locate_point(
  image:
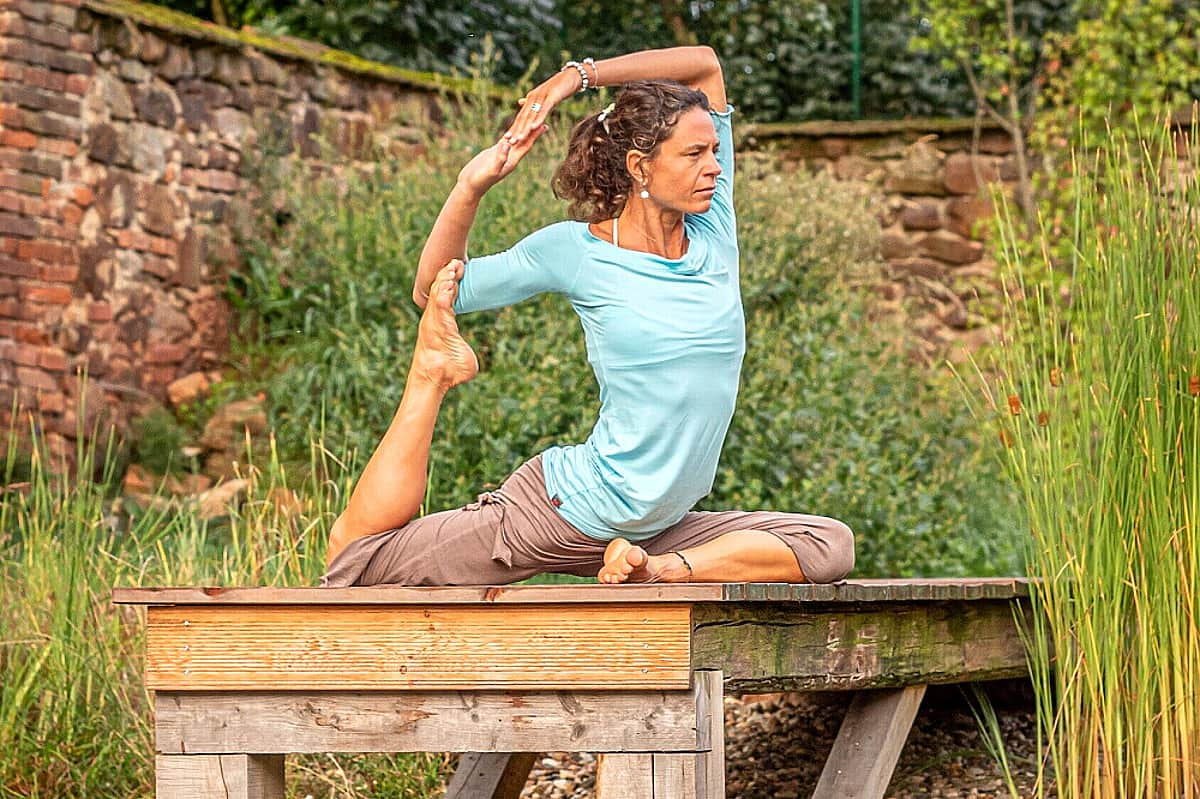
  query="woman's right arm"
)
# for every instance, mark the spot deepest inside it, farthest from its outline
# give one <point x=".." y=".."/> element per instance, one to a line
<point x="448" y="238"/>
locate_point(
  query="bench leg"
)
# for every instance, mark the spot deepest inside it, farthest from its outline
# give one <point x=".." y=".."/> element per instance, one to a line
<point x="218" y="776"/>
<point x="687" y="775"/>
<point x="490" y="775"/>
<point x="868" y="744"/>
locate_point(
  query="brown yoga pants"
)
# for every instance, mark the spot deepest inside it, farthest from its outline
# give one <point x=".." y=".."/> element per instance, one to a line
<point x="514" y="532"/>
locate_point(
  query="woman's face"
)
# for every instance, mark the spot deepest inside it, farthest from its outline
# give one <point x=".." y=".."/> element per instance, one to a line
<point x="683" y="175"/>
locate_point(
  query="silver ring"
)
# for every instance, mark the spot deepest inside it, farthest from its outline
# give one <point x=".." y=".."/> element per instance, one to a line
<point x="535" y="107"/>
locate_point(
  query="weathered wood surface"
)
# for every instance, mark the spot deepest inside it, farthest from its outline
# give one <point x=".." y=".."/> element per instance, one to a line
<point x="490" y="775"/>
<point x="868" y="744"/>
<point x="850" y="647"/>
<point x="710" y="766"/>
<point x="848" y="591"/>
<point x="625" y="776"/>
<point x="431" y="721"/>
<point x="218" y="776"/>
<point x="316" y="647"/>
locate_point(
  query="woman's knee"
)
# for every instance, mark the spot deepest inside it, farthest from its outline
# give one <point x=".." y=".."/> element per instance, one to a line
<point x="836" y="558"/>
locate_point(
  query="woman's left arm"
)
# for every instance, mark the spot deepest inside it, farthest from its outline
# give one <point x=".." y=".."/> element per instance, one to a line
<point x="697" y="67"/>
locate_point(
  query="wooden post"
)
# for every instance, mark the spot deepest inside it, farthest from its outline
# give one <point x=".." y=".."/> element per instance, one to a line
<point x="218" y="776"/>
<point x="490" y="775"/>
<point x="690" y="775"/>
<point x="868" y="744"/>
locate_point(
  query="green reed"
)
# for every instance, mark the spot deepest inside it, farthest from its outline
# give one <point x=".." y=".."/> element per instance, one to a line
<point x="1096" y="401"/>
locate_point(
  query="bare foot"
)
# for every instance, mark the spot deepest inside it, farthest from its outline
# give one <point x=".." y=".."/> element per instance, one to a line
<point x="442" y="356"/>
<point x="628" y="563"/>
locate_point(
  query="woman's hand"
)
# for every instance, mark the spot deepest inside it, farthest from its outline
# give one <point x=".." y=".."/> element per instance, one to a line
<point x="495" y="163"/>
<point x="539" y="102"/>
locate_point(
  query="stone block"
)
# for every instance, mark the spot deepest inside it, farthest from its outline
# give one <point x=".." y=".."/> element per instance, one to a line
<point x="108" y="92"/>
<point x="923" y="267"/>
<point x="995" y="142"/>
<point x="134" y="71"/>
<point x="188" y="389"/>
<point x="156" y="105"/>
<point x="160" y="211"/>
<point x="961" y="169"/>
<point x="921" y="215"/>
<point x="232" y="125"/>
<point x="231" y="421"/>
<point x="36" y="379"/>
<point x="106" y="144"/>
<point x="176" y="64"/>
<point x="948" y="247"/>
<point x="968" y="216"/>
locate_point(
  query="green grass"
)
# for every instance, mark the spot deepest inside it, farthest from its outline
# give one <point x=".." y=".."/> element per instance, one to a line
<point x="1097" y="401"/>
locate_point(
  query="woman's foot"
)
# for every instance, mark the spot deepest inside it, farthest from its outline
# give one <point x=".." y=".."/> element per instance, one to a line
<point x="628" y="563"/>
<point x="442" y="356"/>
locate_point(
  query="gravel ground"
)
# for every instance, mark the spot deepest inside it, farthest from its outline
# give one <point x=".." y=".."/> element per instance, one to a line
<point x="775" y="745"/>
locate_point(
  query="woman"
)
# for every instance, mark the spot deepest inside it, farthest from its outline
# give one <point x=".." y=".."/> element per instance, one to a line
<point x="650" y="264"/>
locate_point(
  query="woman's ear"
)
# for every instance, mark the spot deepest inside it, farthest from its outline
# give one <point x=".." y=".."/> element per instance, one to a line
<point x="636" y="162"/>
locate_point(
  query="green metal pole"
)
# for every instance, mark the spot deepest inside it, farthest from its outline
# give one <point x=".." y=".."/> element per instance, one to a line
<point x="856" y="74"/>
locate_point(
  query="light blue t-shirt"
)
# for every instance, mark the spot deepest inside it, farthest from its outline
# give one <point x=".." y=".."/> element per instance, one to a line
<point x="665" y="338"/>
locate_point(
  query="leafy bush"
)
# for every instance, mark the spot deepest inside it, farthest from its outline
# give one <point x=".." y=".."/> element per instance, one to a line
<point x="832" y="419"/>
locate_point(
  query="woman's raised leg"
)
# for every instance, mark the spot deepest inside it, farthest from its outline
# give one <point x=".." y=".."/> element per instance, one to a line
<point x="390" y="490"/>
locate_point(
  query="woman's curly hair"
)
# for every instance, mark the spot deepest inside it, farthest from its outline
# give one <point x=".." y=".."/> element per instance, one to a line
<point x="593" y="177"/>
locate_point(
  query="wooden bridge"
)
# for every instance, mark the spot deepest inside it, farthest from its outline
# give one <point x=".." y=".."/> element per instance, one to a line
<point x="244" y="675"/>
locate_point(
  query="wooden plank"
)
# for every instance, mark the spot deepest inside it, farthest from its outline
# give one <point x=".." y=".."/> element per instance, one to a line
<point x="872" y="645"/>
<point x="218" y="776"/>
<point x="625" y="776"/>
<point x="710" y="713"/>
<point x="674" y="776"/>
<point x="490" y="775"/>
<point x="306" y="647"/>
<point x="856" y="591"/>
<point x="417" y="721"/>
<point x="868" y="744"/>
<point x="591" y="593"/>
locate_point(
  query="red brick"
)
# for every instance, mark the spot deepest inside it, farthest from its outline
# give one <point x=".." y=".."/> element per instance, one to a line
<point x="7" y="329"/>
<point x="44" y="79"/>
<point x="11" y="202"/>
<point x="13" y="225"/>
<point x="27" y="184"/>
<point x="38" y="10"/>
<point x="50" y="295"/>
<point x="81" y="43"/>
<point x="49" y="229"/>
<point x="31" y="162"/>
<point x="25" y="355"/>
<point x="51" y="402"/>
<point x="36" y="378"/>
<point x="12" y="24"/>
<point x="72" y="214"/>
<point x="52" y="360"/>
<point x="8" y="287"/>
<point x="11" y="70"/>
<point x="10" y="308"/>
<point x="77" y="84"/>
<point x="59" y="147"/>
<point x="14" y="268"/>
<point x="48" y="34"/>
<point x="36" y="206"/>
<point x="57" y="273"/>
<point x="29" y="334"/>
<point x="161" y="246"/>
<point x="166" y="353"/>
<point x="48" y="251"/>
<point x="18" y="138"/>
<point x="82" y="195"/>
<point x="8" y="246"/>
<point x="100" y="312"/>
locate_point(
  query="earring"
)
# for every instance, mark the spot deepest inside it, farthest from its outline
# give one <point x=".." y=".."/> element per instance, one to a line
<point x="645" y="195"/>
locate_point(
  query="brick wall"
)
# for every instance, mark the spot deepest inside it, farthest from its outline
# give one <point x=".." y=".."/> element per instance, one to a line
<point x="122" y="132"/>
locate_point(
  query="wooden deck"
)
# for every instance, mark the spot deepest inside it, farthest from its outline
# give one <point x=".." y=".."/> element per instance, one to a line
<point x="636" y="671"/>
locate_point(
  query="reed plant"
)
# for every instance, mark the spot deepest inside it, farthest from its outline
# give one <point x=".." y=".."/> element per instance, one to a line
<point x="1095" y="398"/>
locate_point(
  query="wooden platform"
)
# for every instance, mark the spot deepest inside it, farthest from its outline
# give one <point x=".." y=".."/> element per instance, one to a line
<point x="502" y="673"/>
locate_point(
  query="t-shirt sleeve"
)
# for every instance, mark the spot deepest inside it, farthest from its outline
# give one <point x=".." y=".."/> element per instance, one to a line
<point x="543" y="261"/>
<point x="720" y="216"/>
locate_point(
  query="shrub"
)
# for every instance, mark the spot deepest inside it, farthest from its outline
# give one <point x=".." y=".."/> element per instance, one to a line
<point x="832" y="419"/>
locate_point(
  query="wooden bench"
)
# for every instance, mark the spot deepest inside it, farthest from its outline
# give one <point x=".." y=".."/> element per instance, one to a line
<point x="244" y="675"/>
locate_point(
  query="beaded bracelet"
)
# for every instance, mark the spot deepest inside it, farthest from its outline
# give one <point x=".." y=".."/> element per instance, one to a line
<point x="582" y="73"/>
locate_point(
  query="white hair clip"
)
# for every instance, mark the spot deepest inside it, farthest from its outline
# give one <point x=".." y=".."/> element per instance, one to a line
<point x="603" y="116"/>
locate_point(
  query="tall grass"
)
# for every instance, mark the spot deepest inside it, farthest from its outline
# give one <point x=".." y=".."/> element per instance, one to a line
<point x="1097" y="401"/>
<point x="75" y="720"/>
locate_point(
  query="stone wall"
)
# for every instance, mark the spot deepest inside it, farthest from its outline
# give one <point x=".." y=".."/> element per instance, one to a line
<point x="934" y="211"/>
<point x="123" y="128"/>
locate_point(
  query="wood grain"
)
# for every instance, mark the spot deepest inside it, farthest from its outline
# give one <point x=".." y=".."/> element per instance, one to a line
<point x="850" y="647"/>
<point x="218" y="776"/>
<point x="490" y="775"/>
<point x="856" y="591"/>
<point x="625" y="776"/>
<point x="427" y="721"/>
<point x="868" y="744"/>
<point x="318" y="647"/>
